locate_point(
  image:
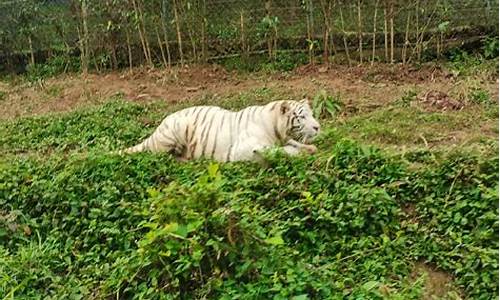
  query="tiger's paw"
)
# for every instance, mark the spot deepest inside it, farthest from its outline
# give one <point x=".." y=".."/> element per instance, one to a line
<point x="311" y="149"/>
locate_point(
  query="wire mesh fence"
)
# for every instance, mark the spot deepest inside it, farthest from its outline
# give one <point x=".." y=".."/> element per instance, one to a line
<point x="118" y="33"/>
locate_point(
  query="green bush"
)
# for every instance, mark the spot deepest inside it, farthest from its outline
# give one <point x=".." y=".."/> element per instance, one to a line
<point x="78" y="222"/>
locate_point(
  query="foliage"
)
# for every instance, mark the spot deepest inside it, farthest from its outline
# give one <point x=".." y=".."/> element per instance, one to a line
<point x="479" y="96"/>
<point x="54" y="66"/>
<point x="325" y="105"/>
<point x="490" y="47"/>
<point x="407" y="99"/>
<point x="79" y="222"/>
<point x="114" y="34"/>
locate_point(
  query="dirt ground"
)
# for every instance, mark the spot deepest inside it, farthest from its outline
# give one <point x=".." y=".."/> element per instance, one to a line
<point x="361" y="86"/>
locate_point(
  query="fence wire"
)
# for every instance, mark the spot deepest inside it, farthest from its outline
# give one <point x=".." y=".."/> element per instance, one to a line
<point x="117" y="33"/>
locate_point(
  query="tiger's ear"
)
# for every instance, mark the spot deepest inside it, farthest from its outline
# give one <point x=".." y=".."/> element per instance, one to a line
<point x="284" y="108"/>
<point x="305" y="101"/>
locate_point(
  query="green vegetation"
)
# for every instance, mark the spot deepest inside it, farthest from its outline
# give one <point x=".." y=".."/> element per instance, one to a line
<point x="351" y="222"/>
<point x="325" y="105"/>
<point x="97" y="35"/>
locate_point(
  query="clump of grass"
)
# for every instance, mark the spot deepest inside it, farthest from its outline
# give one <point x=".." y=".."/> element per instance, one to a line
<point x="332" y="225"/>
<point x="325" y="105"/>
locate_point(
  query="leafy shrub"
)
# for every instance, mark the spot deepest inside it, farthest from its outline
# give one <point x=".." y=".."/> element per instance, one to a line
<point x="490" y="47"/>
<point x="54" y="66"/>
<point x="325" y="105"/>
<point x="479" y="96"/>
<point x="329" y="226"/>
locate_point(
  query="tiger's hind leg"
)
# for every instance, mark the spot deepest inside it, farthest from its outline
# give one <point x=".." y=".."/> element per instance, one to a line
<point x="163" y="139"/>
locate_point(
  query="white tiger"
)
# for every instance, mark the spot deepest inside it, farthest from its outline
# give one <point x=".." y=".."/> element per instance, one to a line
<point x="213" y="132"/>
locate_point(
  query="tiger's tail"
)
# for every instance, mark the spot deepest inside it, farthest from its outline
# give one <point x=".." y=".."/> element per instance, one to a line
<point x="137" y="148"/>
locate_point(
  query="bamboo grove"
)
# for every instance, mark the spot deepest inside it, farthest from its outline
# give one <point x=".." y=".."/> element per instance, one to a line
<point x="111" y="34"/>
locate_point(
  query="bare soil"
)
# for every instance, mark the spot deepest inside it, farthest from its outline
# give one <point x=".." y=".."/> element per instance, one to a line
<point x="363" y="87"/>
<point x="437" y="284"/>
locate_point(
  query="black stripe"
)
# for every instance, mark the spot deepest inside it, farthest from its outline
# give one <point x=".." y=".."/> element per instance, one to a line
<point x="241" y="112"/>
<point x="276" y="132"/>
<point x="197" y="114"/>
<point x="186" y="134"/>
<point x="193" y="148"/>
<point x="166" y="137"/>
<point x="204" y="139"/>
<point x="247" y="115"/>
<point x="228" y="157"/>
<point x="217" y="135"/>
<point x="205" y="115"/>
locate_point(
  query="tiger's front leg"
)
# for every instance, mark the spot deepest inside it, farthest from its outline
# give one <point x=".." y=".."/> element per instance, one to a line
<point x="311" y="149"/>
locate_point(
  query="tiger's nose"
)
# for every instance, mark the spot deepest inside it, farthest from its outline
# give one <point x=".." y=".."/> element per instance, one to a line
<point x="316" y="128"/>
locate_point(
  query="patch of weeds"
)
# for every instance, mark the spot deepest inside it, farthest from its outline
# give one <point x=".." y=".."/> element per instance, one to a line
<point x="490" y="47"/>
<point x="325" y="105"/>
<point x="54" y="91"/>
<point x="327" y="226"/>
<point x="286" y="61"/>
<point x="3" y="95"/>
<point x="479" y="96"/>
<point x="54" y="66"/>
<point x="406" y="100"/>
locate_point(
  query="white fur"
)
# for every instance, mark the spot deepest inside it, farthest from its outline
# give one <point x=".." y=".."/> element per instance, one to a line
<point x="210" y="131"/>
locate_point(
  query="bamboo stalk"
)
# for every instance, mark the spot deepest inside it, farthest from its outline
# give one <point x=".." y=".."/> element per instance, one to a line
<point x="331" y="4"/>
<point x="190" y="33"/>
<point x="32" y="52"/>
<point x="143" y="25"/>
<point x="421" y="32"/>
<point x="269" y="39"/>
<point x="391" y="20"/>
<point x="85" y="48"/>
<point x="360" y="35"/>
<point x="141" y="36"/>
<point x="178" y="29"/>
<point x="344" y="36"/>
<point x="417" y="20"/>
<point x="326" y="6"/>
<point x="242" y="35"/>
<point x="386" y="38"/>
<point x="164" y="59"/>
<point x="311" y="28"/>
<point x="407" y="42"/>
<point x="203" y="33"/>
<point x="165" y="34"/>
<point x="374" y="32"/>
<point x="129" y="48"/>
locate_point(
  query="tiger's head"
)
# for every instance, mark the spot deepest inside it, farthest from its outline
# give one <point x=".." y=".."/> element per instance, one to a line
<point x="300" y="123"/>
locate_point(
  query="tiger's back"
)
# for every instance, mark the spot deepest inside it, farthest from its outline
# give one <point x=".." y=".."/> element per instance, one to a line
<point x="200" y="131"/>
<point x="223" y="135"/>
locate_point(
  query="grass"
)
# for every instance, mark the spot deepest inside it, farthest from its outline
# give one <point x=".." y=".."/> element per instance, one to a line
<point x="351" y="222"/>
